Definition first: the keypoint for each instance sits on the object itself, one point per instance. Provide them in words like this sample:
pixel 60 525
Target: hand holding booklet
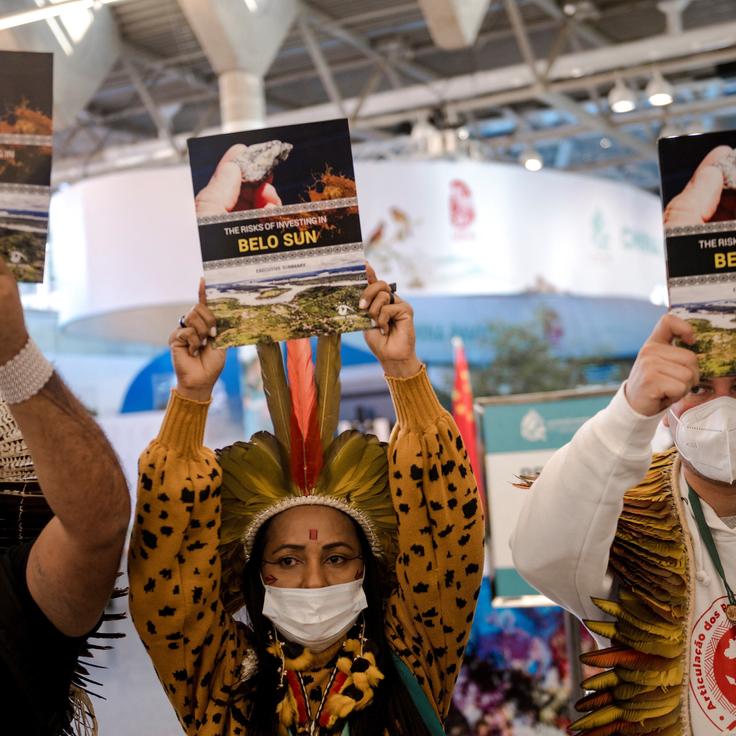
pixel 279 232
pixel 699 195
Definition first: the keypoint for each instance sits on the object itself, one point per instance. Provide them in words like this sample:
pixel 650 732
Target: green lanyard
pixel 710 545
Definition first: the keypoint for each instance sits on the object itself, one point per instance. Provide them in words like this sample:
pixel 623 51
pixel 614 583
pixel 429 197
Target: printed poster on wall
pixel 699 197
pixel 26 86
pixel 517 677
pixel 520 433
pixel 279 232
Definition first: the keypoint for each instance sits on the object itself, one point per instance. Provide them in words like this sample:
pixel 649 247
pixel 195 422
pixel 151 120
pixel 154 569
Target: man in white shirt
pixel 584 534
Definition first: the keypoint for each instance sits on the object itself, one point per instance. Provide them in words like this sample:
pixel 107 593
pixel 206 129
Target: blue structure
pixel 150 389
pixel 576 327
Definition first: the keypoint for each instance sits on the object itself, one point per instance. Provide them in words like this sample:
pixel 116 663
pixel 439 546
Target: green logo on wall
pixel 641 241
pixel 601 238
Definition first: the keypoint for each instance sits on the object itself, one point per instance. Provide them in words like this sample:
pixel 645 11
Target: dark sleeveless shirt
pixel 36 660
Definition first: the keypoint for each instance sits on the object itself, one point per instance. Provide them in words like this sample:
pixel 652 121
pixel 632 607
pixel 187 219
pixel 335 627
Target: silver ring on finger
pixel 391 298
pixel 182 322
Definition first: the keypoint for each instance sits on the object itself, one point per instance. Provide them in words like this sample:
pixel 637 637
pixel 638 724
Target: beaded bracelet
pixel 25 374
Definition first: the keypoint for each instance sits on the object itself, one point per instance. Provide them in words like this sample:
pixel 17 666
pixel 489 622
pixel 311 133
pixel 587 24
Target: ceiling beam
pixel 177 64
pixel 383 13
pixel 368 89
pixel 162 125
pixel 163 65
pixel 72 168
pixel 580 29
pixel 474 100
pixel 597 122
pixel 99 117
pixel 675 112
pixel 571 73
pixel 522 38
pixel 321 64
pixel 330 26
pixel 561 101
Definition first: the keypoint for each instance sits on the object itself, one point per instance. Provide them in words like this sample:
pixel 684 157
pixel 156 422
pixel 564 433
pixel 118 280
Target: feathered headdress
pixel 302 462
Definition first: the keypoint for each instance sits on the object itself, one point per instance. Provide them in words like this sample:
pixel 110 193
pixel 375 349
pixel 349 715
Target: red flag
pixel 462 412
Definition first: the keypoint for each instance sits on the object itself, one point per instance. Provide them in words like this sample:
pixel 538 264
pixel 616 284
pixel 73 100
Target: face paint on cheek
pixel 313 534
pixel 270 579
pixel 358 575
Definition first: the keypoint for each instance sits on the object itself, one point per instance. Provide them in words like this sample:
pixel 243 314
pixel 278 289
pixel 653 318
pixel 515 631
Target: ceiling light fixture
pixel 428 139
pixel 25 17
pixel 659 90
pixel 463 133
pixel 531 159
pixel 621 98
pixel 421 129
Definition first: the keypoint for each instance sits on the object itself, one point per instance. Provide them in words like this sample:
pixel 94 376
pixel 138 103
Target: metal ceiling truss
pixel 414 72
pixel 321 64
pixel 550 81
pixel 563 102
pixel 579 28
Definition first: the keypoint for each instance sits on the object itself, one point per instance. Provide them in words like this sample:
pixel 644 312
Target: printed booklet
pixel 279 232
pixel 699 197
pixel 25 160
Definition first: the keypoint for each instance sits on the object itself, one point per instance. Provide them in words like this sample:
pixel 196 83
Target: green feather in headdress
pixel 257 480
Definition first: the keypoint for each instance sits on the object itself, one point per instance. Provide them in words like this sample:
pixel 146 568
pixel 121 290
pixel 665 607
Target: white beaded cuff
pixel 25 374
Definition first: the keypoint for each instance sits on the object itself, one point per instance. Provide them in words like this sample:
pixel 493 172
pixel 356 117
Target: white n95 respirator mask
pixel 705 436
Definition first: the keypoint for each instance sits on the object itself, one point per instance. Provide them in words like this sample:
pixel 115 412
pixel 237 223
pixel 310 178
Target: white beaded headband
pixel 249 535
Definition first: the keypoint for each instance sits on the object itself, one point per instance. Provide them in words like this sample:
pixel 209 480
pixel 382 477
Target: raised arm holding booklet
pixel 699 197
pixel 279 232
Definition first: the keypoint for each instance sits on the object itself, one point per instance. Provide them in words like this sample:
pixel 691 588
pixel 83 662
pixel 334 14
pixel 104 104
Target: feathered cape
pixel 644 687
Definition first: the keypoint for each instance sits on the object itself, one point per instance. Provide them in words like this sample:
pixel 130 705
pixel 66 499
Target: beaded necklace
pixel 350 685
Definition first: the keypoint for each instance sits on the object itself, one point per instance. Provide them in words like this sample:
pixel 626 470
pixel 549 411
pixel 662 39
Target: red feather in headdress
pixel 306 446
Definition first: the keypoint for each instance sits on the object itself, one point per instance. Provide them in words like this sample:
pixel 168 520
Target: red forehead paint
pixel 313 534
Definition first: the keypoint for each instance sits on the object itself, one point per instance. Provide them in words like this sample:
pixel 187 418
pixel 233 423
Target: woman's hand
pixel 197 362
pixel 392 340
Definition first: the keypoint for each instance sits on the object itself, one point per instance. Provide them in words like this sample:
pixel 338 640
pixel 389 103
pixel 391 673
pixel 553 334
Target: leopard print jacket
pixel 197 648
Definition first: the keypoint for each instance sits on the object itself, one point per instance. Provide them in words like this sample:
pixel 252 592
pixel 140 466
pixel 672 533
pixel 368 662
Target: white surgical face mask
pixel 705 436
pixel 314 617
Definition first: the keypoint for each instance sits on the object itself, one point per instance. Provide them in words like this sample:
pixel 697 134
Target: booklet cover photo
pixel 699 198
pixel 25 160
pixel 279 232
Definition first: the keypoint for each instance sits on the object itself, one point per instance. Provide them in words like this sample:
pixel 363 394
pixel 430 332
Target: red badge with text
pixel 713 666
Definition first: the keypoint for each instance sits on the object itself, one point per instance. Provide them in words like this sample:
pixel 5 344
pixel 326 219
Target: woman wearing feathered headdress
pixel 359 564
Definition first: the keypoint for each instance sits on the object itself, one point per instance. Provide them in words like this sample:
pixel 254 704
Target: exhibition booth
pixel 541 181
pixel 573 262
